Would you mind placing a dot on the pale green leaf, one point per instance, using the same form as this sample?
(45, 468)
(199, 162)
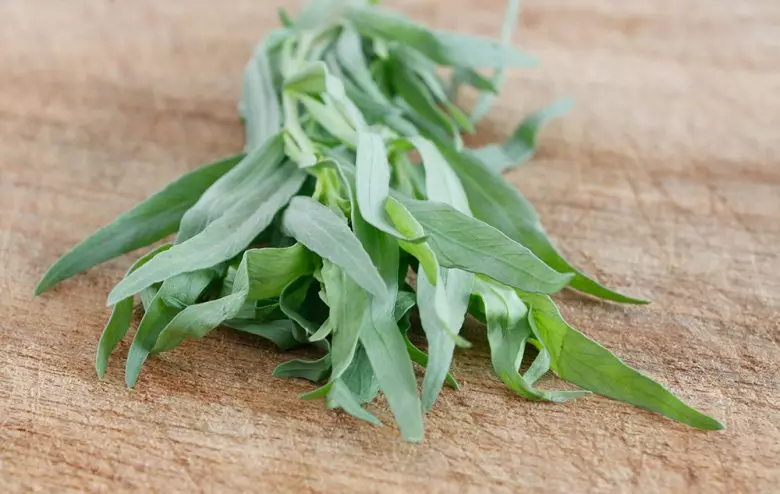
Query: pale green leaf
(321, 231)
(148, 222)
(265, 191)
(462, 242)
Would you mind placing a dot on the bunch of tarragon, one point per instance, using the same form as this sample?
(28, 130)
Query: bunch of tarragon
(354, 203)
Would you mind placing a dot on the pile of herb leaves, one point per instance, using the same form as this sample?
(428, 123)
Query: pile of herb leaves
(354, 181)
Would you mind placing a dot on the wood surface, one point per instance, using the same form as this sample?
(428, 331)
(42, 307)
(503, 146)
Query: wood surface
(664, 182)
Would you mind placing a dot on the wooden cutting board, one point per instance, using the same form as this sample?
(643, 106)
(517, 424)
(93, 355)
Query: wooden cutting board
(664, 182)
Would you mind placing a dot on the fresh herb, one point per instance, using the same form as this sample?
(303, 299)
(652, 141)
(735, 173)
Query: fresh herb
(353, 178)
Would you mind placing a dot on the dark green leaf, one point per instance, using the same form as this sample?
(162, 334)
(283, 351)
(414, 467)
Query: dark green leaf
(349, 314)
(360, 378)
(419, 100)
(293, 304)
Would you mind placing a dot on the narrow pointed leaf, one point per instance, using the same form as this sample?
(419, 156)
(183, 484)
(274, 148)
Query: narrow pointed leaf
(372, 176)
(343, 397)
(322, 232)
(502, 206)
(508, 333)
(146, 223)
(521, 145)
(262, 274)
(174, 295)
(311, 370)
(442, 47)
(119, 322)
(257, 201)
(582, 361)
(278, 332)
(440, 323)
(466, 243)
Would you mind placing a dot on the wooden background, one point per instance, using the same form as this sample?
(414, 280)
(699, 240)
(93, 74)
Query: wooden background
(664, 181)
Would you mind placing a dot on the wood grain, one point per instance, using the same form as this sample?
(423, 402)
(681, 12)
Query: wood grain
(664, 181)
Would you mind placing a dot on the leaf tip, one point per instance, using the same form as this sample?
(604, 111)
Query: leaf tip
(43, 285)
(709, 424)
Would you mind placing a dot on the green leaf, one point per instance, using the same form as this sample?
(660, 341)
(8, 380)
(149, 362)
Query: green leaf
(443, 306)
(426, 71)
(409, 226)
(372, 176)
(260, 102)
(444, 48)
(343, 397)
(311, 370)
(466, 243)
(349, 52)
(502, 206)
(521, 145)
(262, 274)
(582, 361)
(382, 340)
(147, 295)
(284, 17)
(318, 14)
(321, 231)
(323, 332)
(255, 202)
(508, 333)
(471, 77)
(360, 378)
(418, 356)
(403, 304)
(174, 295)
(420, 102)
(442, 184)
(539, 367)
(330, 119)
(486, 99)
(119, 322)
(280, 332)
(143, 225)
(315, 80)
(293, 304)
(349, 314)
(441, 320)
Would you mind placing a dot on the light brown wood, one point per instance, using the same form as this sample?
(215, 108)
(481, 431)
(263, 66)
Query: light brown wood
(664, 181)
